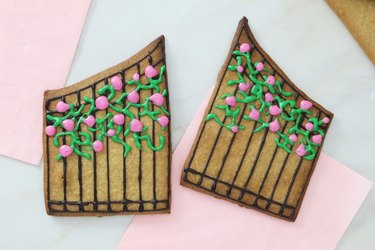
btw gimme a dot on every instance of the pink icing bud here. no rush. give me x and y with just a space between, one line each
325 120
150 72
305 105
119 119
240 69
111 132
301 151
293 137
136 125
163 121
62 107
243 86
90 121
133 97
234 129
116 82
65 150
317 139
101 102
245 47
309 126
274 126
157 99
136 77
68 124
268 97
275 110
260 66
231 101
98 146
50 130
254 114
271 80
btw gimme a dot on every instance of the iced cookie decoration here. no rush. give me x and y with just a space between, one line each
107 140
261 135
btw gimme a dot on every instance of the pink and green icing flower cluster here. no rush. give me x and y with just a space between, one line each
112 124
267 97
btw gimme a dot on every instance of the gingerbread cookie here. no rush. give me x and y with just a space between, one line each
261 136
107 147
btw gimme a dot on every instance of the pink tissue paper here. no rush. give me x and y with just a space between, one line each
200 221
37 45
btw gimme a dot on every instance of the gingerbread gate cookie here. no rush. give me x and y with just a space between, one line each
261 136
107 140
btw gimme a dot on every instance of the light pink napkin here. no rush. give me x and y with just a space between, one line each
199 221
37 45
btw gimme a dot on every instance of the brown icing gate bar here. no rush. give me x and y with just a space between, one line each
244 167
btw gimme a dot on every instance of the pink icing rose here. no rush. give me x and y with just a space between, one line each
50 130
301 151
111 132
317 139
260 66
116 82
325 120
234 129
136 77
245 47
271 80
101 102
68 124
268 97
136 125
98 146
62 107
305 105
65 150
274 126
275 110
231 101
157 99
243 86
293 137
119 119
150 72
133 97
163 121
309 126
90 121
240 69
254 114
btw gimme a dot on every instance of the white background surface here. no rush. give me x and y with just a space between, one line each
304 37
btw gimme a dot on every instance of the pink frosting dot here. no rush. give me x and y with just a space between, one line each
98 146
119 119
111 132
268 97
271 80
136 77
293 137
150 72
301 151
62 107
325 120
317 139
136 125
101 102
90 121
50 130
260 66
68 124
133 97
274 126
243 86
163 121
157 99
309 126
254 114
231 101
275 110
234 129
65 150
240 69
116 82
245 47
305 104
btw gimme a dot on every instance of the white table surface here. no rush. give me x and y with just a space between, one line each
304 37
